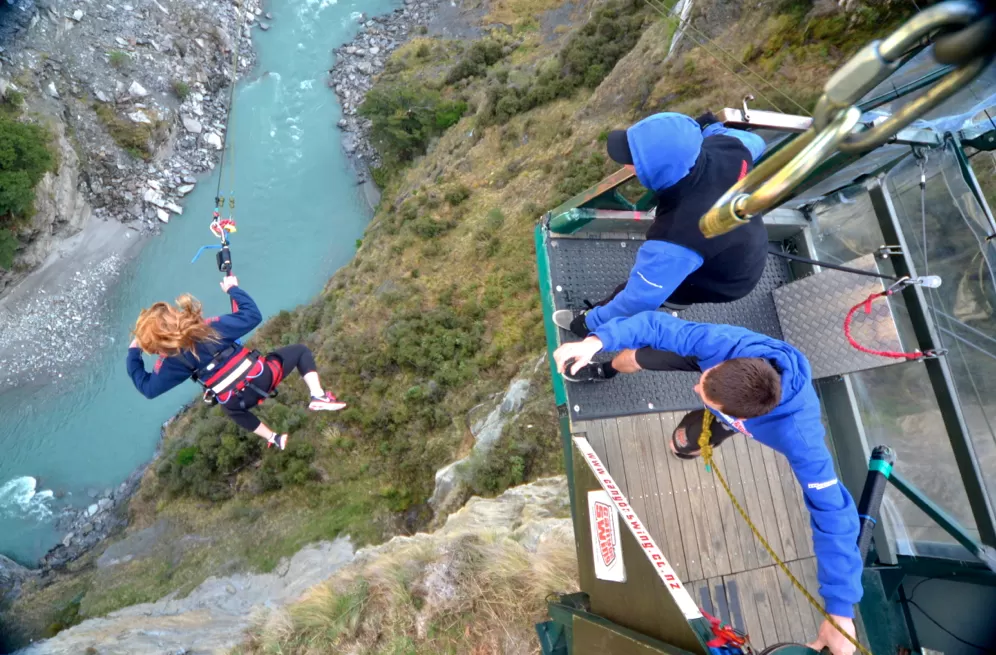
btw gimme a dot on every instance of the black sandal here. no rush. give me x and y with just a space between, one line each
685 437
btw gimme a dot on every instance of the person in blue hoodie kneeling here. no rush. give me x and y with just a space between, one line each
688 164
762 388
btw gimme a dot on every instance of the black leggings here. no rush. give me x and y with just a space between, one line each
290 357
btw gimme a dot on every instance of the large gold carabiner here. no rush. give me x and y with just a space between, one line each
875 62
770 182
836 116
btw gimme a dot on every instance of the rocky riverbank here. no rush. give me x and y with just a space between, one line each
107 512
140 89
358 62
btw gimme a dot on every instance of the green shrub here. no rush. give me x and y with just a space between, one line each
404 119
205 462
134 138
181 89
582 172
430 228
8 248
494 221
527 449
475 62
12 103
25 157
457 195
118 59
587 57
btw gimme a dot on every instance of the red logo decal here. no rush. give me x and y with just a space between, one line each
743 170
606 536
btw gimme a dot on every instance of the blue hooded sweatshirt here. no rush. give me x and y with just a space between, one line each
169 372
689 169
793 428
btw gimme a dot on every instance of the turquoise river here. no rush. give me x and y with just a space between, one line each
299 213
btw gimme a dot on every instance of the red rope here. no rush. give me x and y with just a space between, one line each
867 303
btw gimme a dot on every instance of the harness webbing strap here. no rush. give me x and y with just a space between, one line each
234 377
232 362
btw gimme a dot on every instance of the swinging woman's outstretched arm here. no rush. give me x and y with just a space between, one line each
244 319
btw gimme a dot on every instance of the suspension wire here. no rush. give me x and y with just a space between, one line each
240 18
721 62
655 4
836 267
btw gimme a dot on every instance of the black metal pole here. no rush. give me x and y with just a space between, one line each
880 466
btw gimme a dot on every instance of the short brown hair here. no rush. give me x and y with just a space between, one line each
745 387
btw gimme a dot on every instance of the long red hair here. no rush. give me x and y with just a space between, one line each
165 329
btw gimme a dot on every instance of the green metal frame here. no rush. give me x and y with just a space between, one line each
600 196
947 522
938 371
973 182
540 236
563 614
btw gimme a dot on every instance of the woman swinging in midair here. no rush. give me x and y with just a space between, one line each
192 347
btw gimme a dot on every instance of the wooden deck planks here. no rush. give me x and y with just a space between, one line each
807 616
592 431
613 453
765 521
700 523
798 515
684 498
629 446
670 543
645 462
730 519
711 548
788 550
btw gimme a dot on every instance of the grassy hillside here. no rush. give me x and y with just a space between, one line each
439 309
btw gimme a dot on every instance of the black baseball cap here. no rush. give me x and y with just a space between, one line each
618 147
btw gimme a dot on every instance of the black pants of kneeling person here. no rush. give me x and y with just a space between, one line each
290 357
685 437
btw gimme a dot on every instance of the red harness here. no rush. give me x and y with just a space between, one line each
237 373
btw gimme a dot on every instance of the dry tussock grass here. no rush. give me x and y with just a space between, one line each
477 594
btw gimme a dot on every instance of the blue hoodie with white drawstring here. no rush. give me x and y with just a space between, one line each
689 168
794 428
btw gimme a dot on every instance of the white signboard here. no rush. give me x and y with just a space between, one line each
635 526
607 549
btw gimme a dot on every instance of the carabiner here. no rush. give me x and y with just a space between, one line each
775 178
879 59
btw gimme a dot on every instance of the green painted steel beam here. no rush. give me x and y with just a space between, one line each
947 522
603 194
968 173
546 297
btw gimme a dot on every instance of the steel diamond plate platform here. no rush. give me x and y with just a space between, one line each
591 269
812 312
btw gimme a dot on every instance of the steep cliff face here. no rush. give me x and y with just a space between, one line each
61 208
525 524
136 96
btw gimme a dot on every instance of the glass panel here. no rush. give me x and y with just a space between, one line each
946 231
896 402
952 113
